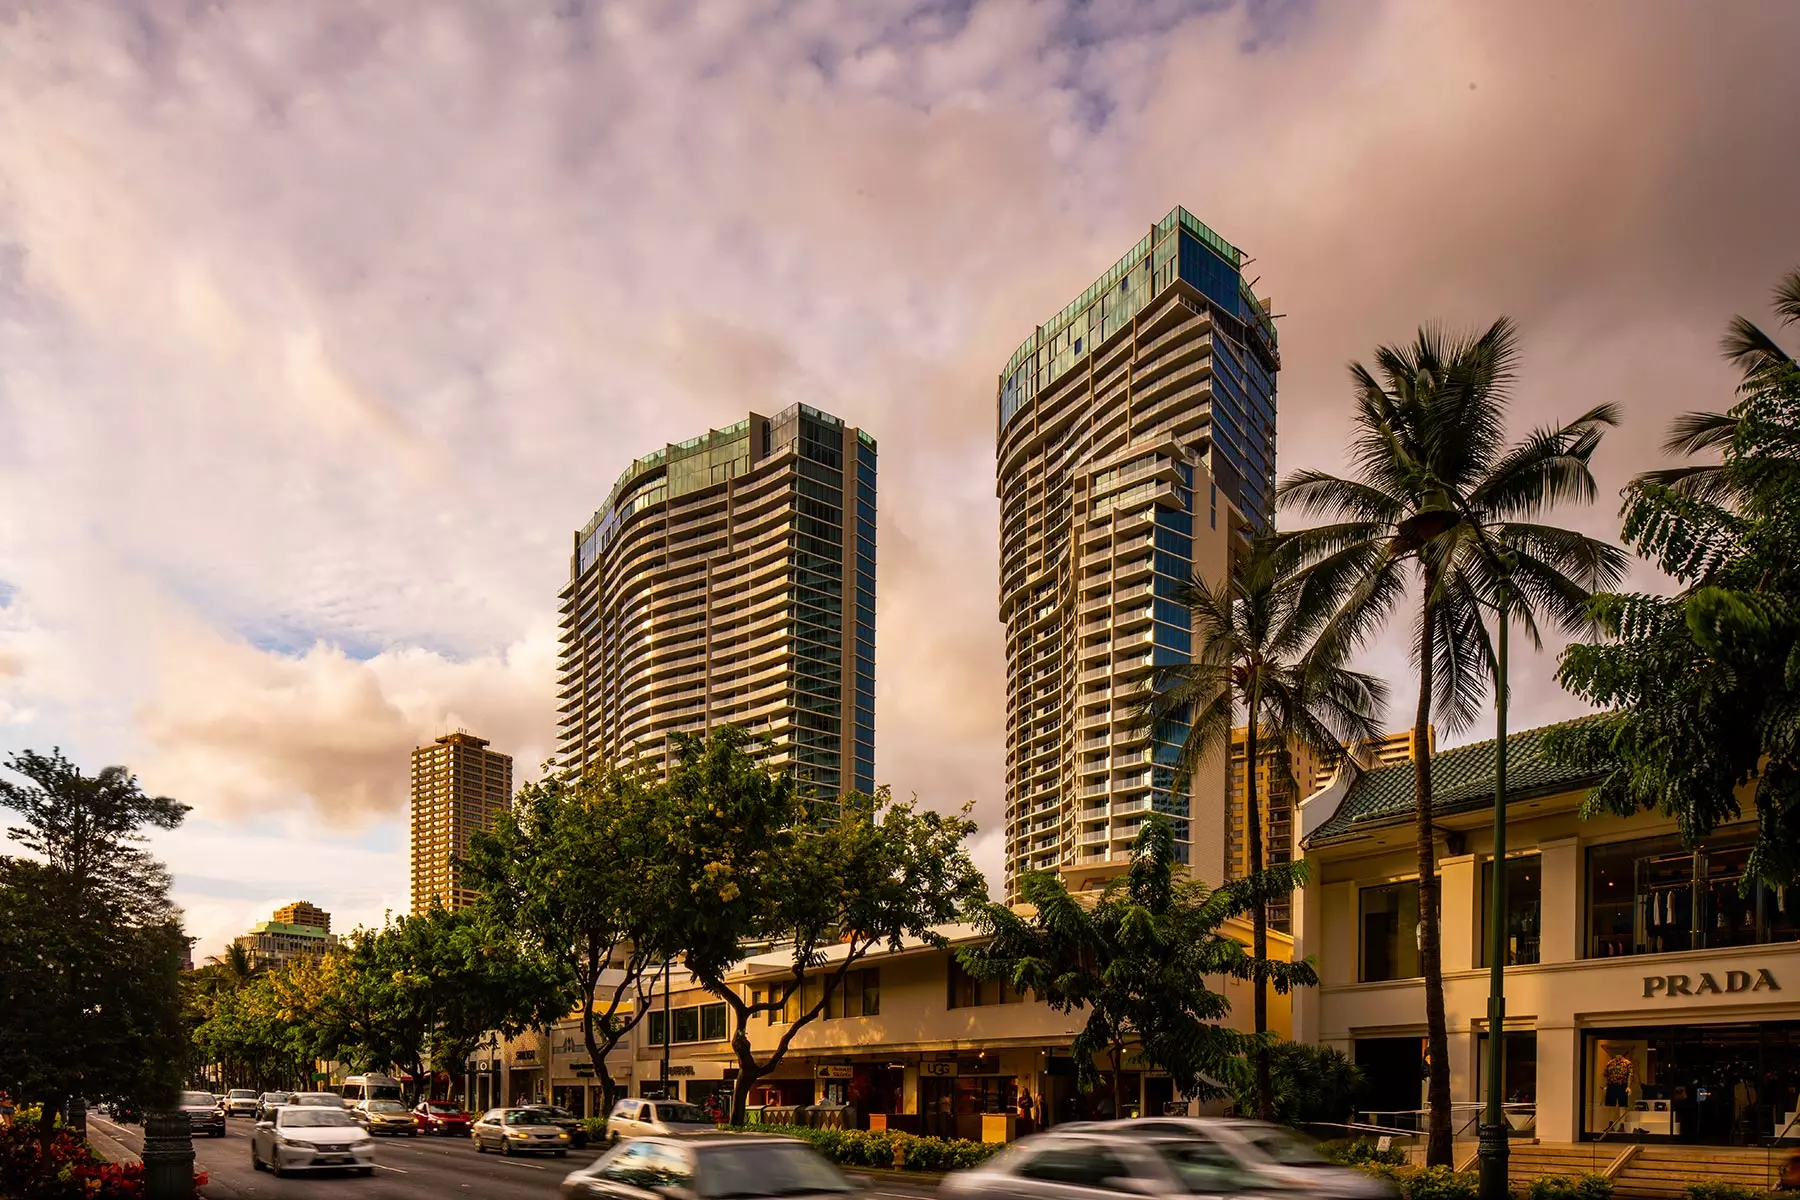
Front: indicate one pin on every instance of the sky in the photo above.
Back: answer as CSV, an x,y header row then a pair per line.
x,y
324,326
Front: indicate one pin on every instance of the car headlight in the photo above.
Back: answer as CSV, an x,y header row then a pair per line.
x,y
517,1134
297,1144
563,1136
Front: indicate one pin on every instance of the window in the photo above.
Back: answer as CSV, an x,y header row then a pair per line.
x,y
1524,893
1390,921
712,1022
785,1015
966,991
659,1028
692,1023
1081,1164
1203,1167
687,1024
859,995
1658,895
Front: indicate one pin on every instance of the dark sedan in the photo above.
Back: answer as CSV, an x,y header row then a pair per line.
x,y
204,1113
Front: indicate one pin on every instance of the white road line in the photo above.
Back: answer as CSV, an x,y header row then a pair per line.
x,y
515,1163
395,1170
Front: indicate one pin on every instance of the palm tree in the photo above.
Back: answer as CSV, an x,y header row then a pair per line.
x,y
1439,498
1260,654
1754,353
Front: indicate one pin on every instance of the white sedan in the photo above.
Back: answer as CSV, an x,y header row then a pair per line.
x,y
307,1139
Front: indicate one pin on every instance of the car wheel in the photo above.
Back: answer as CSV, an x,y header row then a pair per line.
x,y
505,1149
480,1146
275,1168
562,1154
255,1162
365,1172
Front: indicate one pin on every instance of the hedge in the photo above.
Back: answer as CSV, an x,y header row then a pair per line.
x,y
1563,1187
872,1148
1428,1183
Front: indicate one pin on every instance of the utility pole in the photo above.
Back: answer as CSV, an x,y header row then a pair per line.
x,y
668,1031
1493,1150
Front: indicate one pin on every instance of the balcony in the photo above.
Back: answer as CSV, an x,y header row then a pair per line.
x,y
1097,837
1122,807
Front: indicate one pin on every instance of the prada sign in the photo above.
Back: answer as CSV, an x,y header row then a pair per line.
x,y
1707,984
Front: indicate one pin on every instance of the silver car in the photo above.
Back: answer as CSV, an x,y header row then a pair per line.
x,y
1100,1164
709,1166
519,1131
650,1118
312,1137
240,1102
1271,1153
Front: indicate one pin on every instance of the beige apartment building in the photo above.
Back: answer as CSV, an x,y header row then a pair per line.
x,y
302,912
1135,433
730,579
910,1042
279,941
1650,995
459,787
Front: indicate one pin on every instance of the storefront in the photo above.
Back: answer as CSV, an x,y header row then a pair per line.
x,y
1650,990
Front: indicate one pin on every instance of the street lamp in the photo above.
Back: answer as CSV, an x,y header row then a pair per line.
x,y
1492,1151
168,1153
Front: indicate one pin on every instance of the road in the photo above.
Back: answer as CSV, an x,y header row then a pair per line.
x,y
405,1169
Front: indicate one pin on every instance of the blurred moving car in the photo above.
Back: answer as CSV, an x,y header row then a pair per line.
x,y
439,1117
651,1118
566,1121
385,1116
1274,1154
311,1138
709,1166
1091,1164
317,1100
204,1113
268,1102
519,1131
240,1102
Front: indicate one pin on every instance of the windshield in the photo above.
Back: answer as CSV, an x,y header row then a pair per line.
x,y
275,1097
682,1114
314,1118
528,1116
197,1100
1286,1148
242,1094
446,1109
561,1114
1202,1167
386,1106
320,1100
742,1171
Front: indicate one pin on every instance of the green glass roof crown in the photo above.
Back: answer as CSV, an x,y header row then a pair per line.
x,y
1133,258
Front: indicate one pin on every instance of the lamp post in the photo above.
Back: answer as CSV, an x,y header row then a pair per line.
x,y
168,1153
1493,1150
668,1031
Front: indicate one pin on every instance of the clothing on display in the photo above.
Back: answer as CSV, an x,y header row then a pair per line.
x,y
1618,1074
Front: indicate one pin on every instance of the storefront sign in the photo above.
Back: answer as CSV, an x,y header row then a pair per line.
x,y
676,1069
937,1070
836,1071
524,1056
1708,984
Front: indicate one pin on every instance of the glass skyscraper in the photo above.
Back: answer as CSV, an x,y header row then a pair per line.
x,y
1135,441
730,579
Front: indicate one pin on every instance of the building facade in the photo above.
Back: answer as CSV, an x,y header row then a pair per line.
x,y
1650,994
459,787
304,912
275,943
730,579
1135,432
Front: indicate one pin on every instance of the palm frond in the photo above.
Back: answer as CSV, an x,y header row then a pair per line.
x,y
1750,349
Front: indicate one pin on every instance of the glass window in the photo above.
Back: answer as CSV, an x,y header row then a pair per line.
x,y
1656,895
1518,1078
966,991
1082,1164
712,1022
687,1024
659,1028
1524,895
1202,1167
1390,923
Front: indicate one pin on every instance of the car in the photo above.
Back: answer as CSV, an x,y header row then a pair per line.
x,y
204,1113
519,1131
632,1118
566,1121
743,1166
438,1117
268,1102
240,1102
1091,1163
385,1116
1275,1155
317,1100
311,1137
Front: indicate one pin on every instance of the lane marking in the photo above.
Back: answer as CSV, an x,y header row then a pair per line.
x,y
395,1170
513,1162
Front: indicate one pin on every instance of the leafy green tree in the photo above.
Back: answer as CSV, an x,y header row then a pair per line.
x,y
1439,500
1262,656
571,876
1136,960
1311,1084
753,861
1703,686
90,946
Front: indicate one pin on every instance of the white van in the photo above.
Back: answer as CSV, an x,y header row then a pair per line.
x,y
358,1088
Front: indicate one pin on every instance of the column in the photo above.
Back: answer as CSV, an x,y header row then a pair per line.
x,y
1559,1078
1459,913
1560,939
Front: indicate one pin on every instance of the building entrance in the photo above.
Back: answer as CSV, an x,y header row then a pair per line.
x,y
1394,1079
1713,1085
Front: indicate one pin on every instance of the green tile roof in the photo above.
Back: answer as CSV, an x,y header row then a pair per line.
x,y
1461,780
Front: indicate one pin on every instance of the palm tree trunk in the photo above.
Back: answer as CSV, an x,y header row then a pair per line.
x,y
1437,1088
1259,919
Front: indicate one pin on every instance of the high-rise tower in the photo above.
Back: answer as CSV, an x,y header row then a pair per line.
x,y
1136,438
459,787
730,579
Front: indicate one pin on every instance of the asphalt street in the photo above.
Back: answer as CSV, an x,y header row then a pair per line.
x,y
405,1169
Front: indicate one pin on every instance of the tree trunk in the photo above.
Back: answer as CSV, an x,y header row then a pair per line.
x,y
1118,1096
1259,919
1437,1089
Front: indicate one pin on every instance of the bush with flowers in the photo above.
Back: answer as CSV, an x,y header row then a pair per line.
x,y
71,1171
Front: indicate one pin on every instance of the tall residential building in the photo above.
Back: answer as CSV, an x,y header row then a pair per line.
x,y
459,787
1136,433
1279,792
304,912
274,943
730,579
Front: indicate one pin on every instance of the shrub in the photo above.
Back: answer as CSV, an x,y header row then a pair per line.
x,y
594,1128
1440,1183
71,1172
1712,1189
1361,1151
1562,1187
1308,1083
871,1148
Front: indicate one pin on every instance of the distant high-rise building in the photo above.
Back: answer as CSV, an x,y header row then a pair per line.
x,y
1279,792
1136,436
277,942
730,579
459,787
303,912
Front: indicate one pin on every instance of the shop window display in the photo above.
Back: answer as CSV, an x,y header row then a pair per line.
x,y
1659,896
1719,1085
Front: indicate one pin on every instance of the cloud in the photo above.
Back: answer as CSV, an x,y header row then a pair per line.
x,y
323,326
